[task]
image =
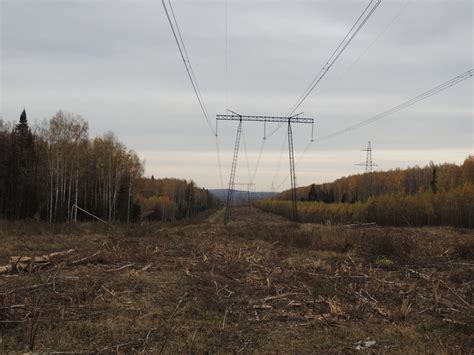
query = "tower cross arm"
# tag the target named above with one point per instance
(236, 117)
(364, 164)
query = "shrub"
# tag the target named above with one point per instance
(388, 246)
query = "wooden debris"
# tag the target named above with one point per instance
(32, 263)
(283, 295)
(147, 267)
(6, 269)
(84, 259)
(122, 267)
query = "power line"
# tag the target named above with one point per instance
(305, 150)
(192, 77)
(337, 53)
(258, 161)
(277, 172)
(226, 54)
(402, 9)
(456, 80)
(187, 56)
(219, 161)
(356, 27)
(392, 21)
(262, 119)
(246, 155)
(187, 63)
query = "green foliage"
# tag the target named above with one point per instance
(18, 173)
(312, 195)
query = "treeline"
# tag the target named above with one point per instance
(433, 195)
(358, 188)
(48, 171)
(168, 199)
(454, 207)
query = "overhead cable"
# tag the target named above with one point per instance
(187, 63)
(356, 27)
(456, 80)
(391, 22)
(446, 85)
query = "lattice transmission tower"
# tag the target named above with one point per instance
(369, 164)
(270, 119)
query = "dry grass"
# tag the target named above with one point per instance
(258, 284)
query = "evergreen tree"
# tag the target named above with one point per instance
(21, 179)
(4, 165)
(312, 196)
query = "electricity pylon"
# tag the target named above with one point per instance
(271, 119)
(369, 164)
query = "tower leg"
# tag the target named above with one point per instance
(230, 191)
(292, 173)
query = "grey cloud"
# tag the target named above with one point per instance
(116, 63)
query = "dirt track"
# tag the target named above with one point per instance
(260, 283)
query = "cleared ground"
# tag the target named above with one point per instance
(260, 284)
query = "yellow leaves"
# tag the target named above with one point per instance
(451, 207)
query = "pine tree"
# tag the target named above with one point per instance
(22, 202)
(312, 196)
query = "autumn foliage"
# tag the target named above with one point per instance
(169, 199)
(433, 195)
(48, 170)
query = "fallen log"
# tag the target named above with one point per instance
(6, 269)
(30, 263)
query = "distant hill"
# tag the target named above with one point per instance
(240, 196)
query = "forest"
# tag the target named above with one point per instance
(168, 199)
(47, 171)
(431, 195)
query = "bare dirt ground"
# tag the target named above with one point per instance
(259, 284)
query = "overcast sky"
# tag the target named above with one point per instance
(116, 64)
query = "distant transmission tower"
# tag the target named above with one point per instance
(369, 164)
(264, 119)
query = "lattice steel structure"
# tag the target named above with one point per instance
(271, 119)
(369, 164)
